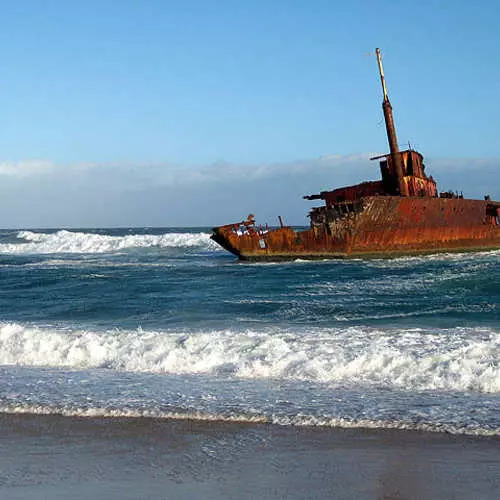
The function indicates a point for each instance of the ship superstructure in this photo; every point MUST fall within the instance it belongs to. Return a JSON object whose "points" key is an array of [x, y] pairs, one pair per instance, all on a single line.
{"points": [[400, 214]]}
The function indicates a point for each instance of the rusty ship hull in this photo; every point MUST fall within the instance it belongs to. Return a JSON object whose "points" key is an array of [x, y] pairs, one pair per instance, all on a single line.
{"points": [[401, 214], [382, 226]]}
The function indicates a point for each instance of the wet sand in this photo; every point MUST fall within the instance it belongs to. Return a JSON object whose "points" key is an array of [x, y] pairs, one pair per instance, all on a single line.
{"points": [[56, 457]]}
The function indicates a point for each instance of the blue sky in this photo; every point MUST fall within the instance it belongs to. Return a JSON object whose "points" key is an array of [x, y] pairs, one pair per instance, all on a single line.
{"points": [[159, 112]]}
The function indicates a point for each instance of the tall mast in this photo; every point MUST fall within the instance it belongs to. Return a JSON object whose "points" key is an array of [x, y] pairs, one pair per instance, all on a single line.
{"points": [[391, 133]]}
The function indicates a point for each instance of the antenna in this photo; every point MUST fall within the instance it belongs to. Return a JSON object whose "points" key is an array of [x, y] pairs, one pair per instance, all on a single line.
{"points": [[396, 159], [381, 71]]}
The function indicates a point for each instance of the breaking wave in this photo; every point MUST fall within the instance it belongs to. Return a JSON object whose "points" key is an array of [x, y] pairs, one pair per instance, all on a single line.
{"points": [[64, 241], [459, 359]]}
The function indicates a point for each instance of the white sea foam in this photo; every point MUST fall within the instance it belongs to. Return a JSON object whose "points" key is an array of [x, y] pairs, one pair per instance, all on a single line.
{"points": [[128, 413], [411, 260], [64, 241], [458, 359], [296, 421], [346, 423]]}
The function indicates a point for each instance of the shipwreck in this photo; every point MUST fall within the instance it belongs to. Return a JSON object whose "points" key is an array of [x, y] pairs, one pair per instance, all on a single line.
{"points": [[401, 214]]}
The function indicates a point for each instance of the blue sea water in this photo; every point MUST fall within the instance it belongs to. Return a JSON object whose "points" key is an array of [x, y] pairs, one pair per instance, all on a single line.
{"points": [[163, 322]]}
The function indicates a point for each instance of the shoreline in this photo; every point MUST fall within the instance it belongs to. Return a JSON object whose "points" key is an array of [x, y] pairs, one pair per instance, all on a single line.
{"points": [[54, 456], [333, 423]]}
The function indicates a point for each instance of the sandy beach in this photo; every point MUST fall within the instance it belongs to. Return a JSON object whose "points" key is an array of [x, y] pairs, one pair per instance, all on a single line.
{"points": [[57, 457]]}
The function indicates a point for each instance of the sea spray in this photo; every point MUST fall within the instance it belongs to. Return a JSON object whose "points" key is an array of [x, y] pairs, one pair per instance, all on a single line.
{"points": [[416, 359], [64, 241]]}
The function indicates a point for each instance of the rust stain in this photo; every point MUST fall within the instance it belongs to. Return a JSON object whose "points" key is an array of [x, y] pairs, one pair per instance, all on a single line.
{"points": [[401, 214]]}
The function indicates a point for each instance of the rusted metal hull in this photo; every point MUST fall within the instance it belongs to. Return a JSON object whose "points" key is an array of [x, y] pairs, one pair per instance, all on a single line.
{"points": [[401, 214], [379, 226]]}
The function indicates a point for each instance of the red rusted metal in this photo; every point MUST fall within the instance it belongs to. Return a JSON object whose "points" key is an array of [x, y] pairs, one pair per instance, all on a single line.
{"points": [[379, 226], [399, 215]]}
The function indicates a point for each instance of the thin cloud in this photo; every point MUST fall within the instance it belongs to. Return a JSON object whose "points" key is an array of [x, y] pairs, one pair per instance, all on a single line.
{"points": [[26, 168], [39, 193]]}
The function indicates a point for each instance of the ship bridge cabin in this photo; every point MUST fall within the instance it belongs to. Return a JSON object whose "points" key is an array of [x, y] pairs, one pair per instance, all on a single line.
{"points": [[415, 182], [346, 200]]}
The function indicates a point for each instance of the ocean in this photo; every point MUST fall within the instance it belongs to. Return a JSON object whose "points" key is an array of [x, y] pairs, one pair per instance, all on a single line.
{"points": [[161, 322]]}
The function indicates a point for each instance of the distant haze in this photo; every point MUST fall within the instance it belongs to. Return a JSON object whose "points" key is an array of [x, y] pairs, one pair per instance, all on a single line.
{"points": [[42, 194]]}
